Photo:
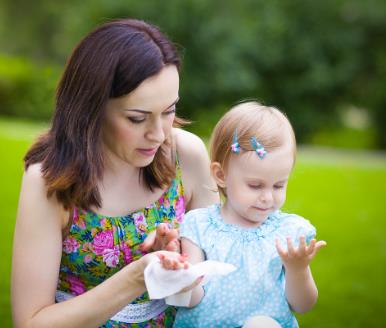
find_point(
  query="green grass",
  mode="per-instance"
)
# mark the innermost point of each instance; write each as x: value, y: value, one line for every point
x: 341, y: 192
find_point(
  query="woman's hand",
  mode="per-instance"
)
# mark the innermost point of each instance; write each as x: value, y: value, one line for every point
x: 299, y: 258
x: 163, y: 238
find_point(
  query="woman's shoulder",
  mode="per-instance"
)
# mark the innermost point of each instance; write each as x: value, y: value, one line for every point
x: 199, y: 186
x: 34, y: 195
x: 189, y: 145
x: 34, y: 172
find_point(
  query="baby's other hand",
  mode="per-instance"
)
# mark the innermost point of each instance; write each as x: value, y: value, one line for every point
x: 299, y: 258
x: 173, y: 261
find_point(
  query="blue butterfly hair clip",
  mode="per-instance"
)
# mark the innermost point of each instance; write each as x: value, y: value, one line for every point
x: 235, y: 147
x: 258, y: 147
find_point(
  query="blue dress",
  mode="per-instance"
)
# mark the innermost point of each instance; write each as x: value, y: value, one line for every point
x: 257, y: 287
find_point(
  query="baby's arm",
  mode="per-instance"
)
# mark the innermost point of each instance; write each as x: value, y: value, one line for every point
x: 194, y: 255
x: 300, y: 287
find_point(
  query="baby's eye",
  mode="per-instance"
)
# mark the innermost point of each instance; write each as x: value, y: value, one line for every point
x: 253, y: 186
x: 279, y: 186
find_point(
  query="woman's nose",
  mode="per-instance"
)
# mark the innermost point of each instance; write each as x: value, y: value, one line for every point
x: 156, y: 132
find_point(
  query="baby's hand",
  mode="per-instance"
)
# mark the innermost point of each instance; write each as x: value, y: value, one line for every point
x: 176, y: 261
x: 173, y: 261
x: 300, y: 258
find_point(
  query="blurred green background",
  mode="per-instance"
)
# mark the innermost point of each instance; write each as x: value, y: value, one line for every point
x: 321, y: 62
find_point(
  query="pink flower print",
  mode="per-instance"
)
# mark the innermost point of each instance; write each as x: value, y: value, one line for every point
x: 140, y: 222
x: 128, y: 257
x: 180, y: 209
x: 87, y: 258
x: 70, y: 245
x: 87, y: 247
x: 160, y: 320
x: 167, y: 203
x: 79, y: 221
x: 103, y: 240
x: 76, y: 285
x: 111, y: 256
x: 105, y: 224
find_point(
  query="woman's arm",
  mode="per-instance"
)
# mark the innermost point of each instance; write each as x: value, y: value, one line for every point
x: 200, y: 188
x: 36, y: 259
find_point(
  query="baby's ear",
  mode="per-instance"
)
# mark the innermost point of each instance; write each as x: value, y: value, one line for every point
x: 218, y: 174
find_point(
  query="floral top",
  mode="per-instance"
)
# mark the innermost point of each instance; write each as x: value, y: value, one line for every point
x: 98, y: 246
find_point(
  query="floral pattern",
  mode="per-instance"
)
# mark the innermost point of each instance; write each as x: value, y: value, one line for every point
x: 98, y: 246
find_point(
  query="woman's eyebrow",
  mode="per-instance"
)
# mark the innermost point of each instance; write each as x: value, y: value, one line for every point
x: 149, y: 112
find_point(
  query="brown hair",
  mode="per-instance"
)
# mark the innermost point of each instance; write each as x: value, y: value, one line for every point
x: 109, y: 62
x: 250, y: 119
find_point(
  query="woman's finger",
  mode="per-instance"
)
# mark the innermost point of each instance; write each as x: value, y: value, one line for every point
x: 148, y: 244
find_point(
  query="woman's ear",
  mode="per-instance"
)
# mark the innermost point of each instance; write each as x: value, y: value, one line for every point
x: 218, y: 174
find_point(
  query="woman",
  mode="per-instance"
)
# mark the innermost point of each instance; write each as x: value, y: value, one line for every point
x: 112, y: 168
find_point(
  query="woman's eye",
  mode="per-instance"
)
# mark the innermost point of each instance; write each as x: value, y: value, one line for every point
x: 169, y: 112
x: 279, y: 187
x: 136, y: 120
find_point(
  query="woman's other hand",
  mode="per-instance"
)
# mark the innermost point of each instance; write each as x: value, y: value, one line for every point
x: 163, y: 238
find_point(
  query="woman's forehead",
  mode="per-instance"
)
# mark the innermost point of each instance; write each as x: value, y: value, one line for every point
x: 156, y: 92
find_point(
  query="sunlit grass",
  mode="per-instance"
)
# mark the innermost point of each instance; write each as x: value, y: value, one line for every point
x: 342, y: 193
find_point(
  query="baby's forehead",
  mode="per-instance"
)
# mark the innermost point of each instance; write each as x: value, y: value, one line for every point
x: 278, y: 162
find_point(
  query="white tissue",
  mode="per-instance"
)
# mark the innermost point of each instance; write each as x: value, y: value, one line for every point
x: 163, y: 283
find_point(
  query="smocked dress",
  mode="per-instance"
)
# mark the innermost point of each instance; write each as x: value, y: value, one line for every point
x: 97, y: 246
x: 257, y: 286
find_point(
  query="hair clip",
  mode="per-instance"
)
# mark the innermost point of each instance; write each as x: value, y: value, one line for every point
x: 258, y: 147
x: 235, y: 147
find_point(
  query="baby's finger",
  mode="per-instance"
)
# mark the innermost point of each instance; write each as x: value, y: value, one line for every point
x: 290, y: 246
x: 302, y: 245
x: 281, y: 251
x: 311, y: 247
x: 169, y: 263
x: 319, y: 245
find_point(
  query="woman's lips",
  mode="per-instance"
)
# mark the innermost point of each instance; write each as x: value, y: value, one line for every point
x: 147, y: 151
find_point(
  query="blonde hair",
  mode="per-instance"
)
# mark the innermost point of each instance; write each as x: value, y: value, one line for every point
x: 269, y: 125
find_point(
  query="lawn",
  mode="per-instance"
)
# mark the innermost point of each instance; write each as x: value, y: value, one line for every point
x: 341, y: 192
